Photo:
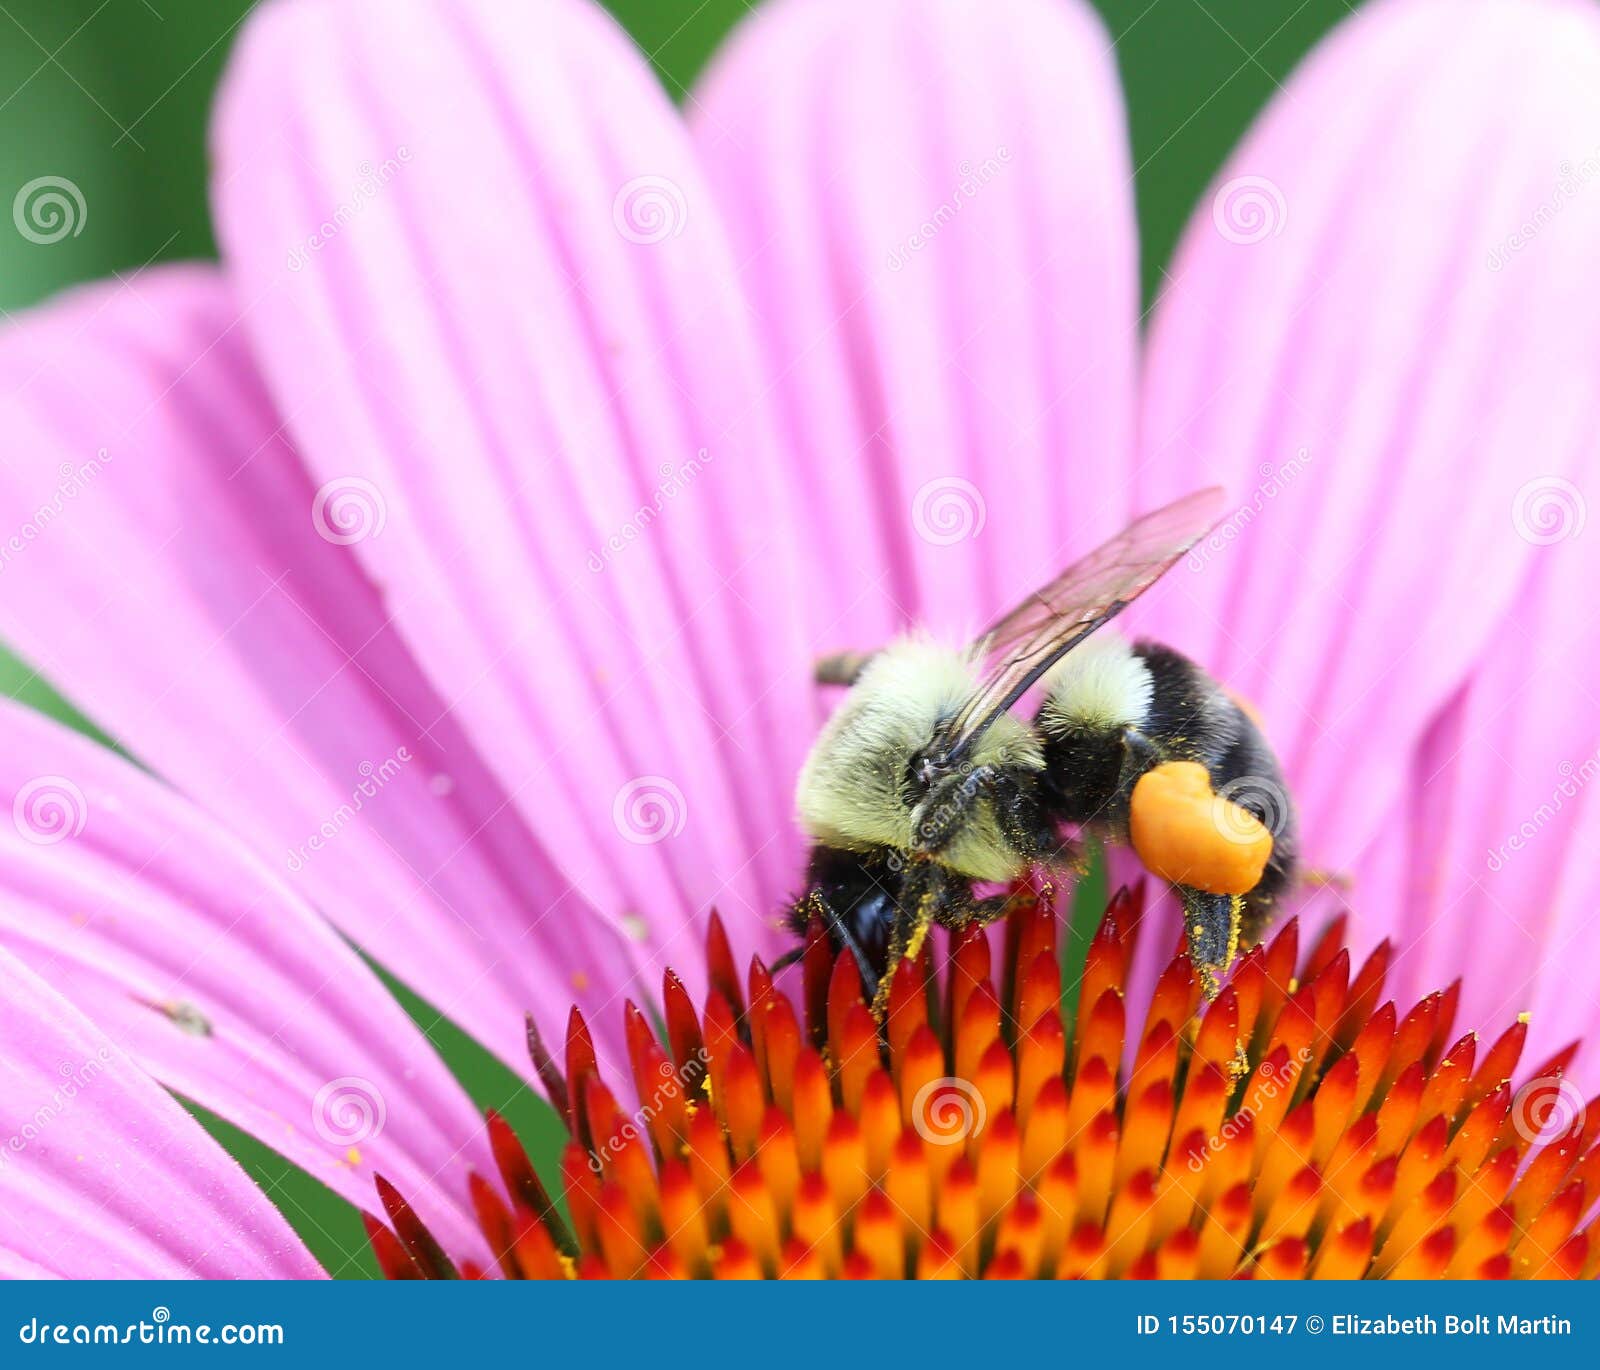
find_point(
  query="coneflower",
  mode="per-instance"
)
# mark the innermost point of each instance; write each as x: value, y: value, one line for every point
x: 453, y: 555
x: 1301, y: 1124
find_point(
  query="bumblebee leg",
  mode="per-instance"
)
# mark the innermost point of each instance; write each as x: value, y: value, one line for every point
x: 965, y: 912
x: 1025, y: 822
x: 1316, y: 878
x: 842, y: 668
x: 910, y: 932
x: 1255, y: 918
x: 787, y: 959
x: 946, y: 808
x: 1139, y: 754
x: 1212, y: 922
x: 923, y: 894
x: 869, y: 977
x: 815, y: 906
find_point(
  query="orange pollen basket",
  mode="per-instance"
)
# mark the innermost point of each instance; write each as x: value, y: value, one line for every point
x: 1294, y: 1127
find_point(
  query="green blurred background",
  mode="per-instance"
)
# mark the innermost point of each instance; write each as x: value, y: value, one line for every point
x: 112, y: 95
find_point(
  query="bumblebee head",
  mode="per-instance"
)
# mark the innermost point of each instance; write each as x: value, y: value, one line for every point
x: 875, y: 764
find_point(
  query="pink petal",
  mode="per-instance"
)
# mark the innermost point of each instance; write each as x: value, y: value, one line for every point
x: 103, y: 1175
x: 441, y: 214
x: 165, y: 572
x: 209, y: 972
x: 932, y: 204
x: 1348, y: 341
x: 1495, y: 871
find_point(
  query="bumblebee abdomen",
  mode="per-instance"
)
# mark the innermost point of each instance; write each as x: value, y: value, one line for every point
x: 1191, y: 717
x: 1115, y: 711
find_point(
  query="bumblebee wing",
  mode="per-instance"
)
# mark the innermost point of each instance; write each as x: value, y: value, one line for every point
x: 1023, y: 645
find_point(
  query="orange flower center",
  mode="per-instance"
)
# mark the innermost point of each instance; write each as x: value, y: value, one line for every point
x: 987, y: 1127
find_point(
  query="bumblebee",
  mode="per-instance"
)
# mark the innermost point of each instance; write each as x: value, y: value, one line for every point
x: 925, y: 786
x: 907, y: 815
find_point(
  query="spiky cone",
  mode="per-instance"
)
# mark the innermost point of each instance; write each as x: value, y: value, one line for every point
x: 1297, y: 1126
